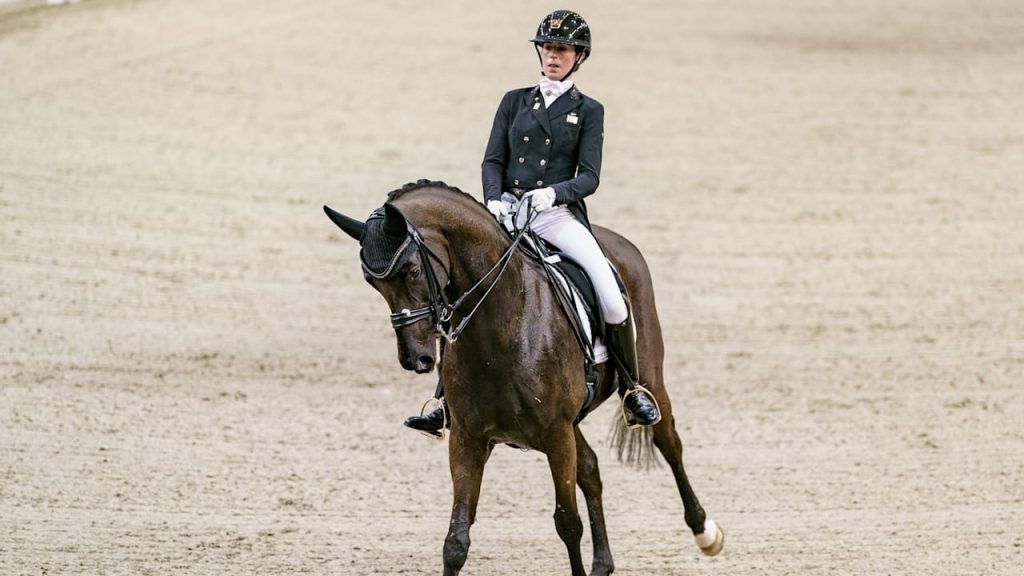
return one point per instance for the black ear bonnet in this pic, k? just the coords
(386, 242)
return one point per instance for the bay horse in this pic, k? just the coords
(514, 375)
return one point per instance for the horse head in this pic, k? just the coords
(397, 264)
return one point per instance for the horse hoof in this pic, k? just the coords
(711, 540)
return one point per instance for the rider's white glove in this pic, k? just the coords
(542, 198)
(498, 208)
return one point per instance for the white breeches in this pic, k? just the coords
(559, 227)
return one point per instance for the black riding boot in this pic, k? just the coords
(432, 422)
(639, 403)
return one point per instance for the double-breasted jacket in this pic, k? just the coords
(532, 146)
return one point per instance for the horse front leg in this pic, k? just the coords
(562, 461)
(466, 458)
(588, 476)
(708, 535)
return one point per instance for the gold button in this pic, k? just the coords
(521, 159)
(547, 140)
(543, 162)
(526, 138)
(540, 182)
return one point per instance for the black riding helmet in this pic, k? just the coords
(564, 27)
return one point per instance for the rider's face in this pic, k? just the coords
(557, 59)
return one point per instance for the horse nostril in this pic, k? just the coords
(425, 362)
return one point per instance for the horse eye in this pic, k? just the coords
(414, 272)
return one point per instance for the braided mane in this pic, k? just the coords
(424, 183)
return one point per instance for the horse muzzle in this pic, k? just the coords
(420, 364)
(416, 356)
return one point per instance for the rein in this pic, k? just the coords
(439, 309)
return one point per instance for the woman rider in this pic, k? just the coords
(544, 151)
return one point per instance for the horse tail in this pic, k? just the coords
(633, 447)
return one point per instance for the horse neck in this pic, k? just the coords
(472, 240)
(475, 252)
(501, 327)
(474, 244)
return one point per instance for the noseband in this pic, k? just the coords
(440, 310)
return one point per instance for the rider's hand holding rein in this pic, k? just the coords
(498, 209)
(542, 199)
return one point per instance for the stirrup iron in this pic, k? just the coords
(627, 417)
(433, 403)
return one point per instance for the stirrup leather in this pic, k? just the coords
(627, 417)
(433, 403)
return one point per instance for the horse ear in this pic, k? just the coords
(350, 226)
(394, 222)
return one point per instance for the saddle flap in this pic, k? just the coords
(579, 280)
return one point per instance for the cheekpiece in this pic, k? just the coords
(382, 254)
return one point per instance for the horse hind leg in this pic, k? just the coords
(708, 535)
(588, 476)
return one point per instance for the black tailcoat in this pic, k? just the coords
(532, 146)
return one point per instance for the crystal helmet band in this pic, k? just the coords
(564, 27)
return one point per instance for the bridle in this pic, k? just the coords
(440, 310)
